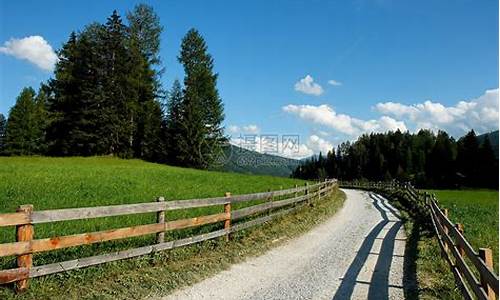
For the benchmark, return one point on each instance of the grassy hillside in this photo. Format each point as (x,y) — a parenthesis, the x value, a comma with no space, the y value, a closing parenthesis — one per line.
(76,182)
(49,183)
(245,161)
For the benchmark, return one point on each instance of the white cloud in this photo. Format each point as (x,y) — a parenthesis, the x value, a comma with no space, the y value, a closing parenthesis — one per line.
(307,86)
(34,49)
(480,114)
(334,82)
(317,144)
(345,124)
(248,129)
(233,129)
(253,129)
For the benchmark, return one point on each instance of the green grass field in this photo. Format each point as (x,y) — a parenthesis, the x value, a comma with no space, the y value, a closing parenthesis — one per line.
(50,183)
(477,210)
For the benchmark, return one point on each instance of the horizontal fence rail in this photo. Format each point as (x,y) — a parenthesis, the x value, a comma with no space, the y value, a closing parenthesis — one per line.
(26,217)
(455,248)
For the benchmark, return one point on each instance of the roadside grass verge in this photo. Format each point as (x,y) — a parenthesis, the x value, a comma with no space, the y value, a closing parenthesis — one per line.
(162,273)
(424,264)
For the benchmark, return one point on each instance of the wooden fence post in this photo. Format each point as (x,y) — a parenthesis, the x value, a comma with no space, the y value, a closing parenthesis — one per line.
(460,228)
(227,210)
(160,218)
(306,192)
(445,229)
(24,232)
(295,194)
(487,256)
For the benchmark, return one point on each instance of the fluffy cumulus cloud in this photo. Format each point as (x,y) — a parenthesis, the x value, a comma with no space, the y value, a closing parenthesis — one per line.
(342,123)
(480,114)
(317,144)
(334,82)
(307,86)
(34,49)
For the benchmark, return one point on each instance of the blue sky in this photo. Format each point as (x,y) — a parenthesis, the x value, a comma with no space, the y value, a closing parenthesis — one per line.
(396,64)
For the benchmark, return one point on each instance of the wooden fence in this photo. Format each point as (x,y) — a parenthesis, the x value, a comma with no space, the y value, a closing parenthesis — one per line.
(26,217)
(465,262)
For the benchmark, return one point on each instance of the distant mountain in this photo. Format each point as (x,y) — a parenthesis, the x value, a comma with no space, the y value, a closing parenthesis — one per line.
(493,136)
(241,160)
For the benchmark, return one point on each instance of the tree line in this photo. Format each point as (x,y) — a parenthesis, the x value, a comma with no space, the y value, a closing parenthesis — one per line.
(424,158)
(106,98)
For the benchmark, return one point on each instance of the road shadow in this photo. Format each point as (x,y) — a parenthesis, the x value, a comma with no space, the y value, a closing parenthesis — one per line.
(379,284)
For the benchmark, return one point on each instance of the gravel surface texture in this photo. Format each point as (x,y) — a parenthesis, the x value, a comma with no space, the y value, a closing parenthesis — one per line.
(356,254)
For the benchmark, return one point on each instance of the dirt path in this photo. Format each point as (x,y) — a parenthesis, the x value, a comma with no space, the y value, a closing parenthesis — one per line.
(357,254)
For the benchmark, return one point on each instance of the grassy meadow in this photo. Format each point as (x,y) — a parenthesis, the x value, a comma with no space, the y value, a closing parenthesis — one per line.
(477,210)
(50,183)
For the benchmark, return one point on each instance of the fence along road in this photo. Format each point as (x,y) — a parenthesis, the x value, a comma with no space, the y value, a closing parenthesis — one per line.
(358,254)
(455,248)
(26,218)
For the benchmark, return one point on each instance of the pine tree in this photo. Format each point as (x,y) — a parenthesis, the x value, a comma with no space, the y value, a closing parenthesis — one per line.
(202,107)
(24,134)
(173,123)
(120,103)
(75,108)
(488,165)
(144,45)
(468,158)
(145,28)
(41,118)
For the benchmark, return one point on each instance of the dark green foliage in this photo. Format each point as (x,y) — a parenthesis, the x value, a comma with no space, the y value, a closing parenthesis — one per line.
(173,123)
(493,137)
(488,165)
(145,29)
(468,159)
(25,128)
(423,158)
(106,99)
(201,128)
(120,96)
(441,168)
(78,96)
(144,45)
(105,91)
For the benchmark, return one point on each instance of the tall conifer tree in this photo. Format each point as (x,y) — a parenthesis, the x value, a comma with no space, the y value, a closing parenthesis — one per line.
(202,108)
(144,43)
(24,134)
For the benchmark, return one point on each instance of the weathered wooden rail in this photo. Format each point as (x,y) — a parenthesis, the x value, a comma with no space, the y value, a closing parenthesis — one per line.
(26,217)
(464,261)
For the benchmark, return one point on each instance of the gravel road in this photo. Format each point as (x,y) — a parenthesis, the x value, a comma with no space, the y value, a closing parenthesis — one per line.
(357,254)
